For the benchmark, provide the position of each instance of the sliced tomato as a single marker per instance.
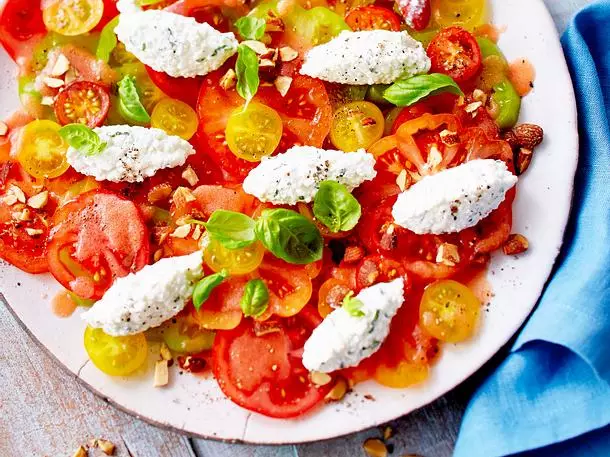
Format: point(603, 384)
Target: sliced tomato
point(23, 230)
point(456, 53)
point(209, 198)
point(305, 111)
point(21, 26)
point(264, 373)
point(417, 13)
point(409, 113)
point(94, 239)
point(83, 102)
point(373, 18)
point(183, 89)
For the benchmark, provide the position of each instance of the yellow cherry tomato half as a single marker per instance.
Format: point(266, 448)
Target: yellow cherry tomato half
point(175, 118)
point(72, 17)
point(407, 373)
point(236, 261)
point(449, 311)
point(42, 150)
point(115, 355)
point(183, 334)
point(356, 125)
point(254, 132)
point(464, 13)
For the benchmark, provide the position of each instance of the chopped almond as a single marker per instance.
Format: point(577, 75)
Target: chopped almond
point(159, 193)
point(9, 199)
point(39, 200)
point(266, 64)
point(183, 195)
point(17, 192)
point(516, 244)
point(161, 374)
point(282, 84)
point(181, 231)
point(448, 254)
point(192, 364)
point(53, 83)
point(449, 138)
point(107, 447)
point(196, 233)
point(80, 452)
point(47, 101)
point(338, 391)
point(434, 157)
point(401, 180)
point(479, 96)
point(229, 80)
point(190, 176)
point(374, 447)
point(257, 46)
point(320, 379)
point(274, 24)
point(287, 54)
point(62, 65)
point(3, 128)
point(471, 108)
point(158, 255)
point(25, 215)
point(165, 352)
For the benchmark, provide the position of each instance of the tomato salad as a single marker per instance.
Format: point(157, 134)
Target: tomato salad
point(293, 196)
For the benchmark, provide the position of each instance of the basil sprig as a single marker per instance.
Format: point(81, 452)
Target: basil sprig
point(130, 106)
point(336, 207)
point(406, 92)
point(82, 138)
point(255, 299)
point(107, 41)
point(231, 229)
point(289, 236)
point(246, 70)
point(251, 27)
point(352, 305)
point(205, 286)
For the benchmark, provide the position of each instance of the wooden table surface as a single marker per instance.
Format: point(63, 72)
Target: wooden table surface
point(45, 412)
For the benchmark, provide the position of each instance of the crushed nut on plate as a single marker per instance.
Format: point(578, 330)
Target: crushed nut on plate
point(320, 379)
point(182, 231)
point(183, 195)
point(338, 391)
point(164, 352)
point(287, 54)
point(257, 46)
point(62, 65)
point(161, 378)
point(53, 83)
point(472, 107)
point(282, 84)
point(39, 200)
point(190, 176)
point(516, 244)
point(374, 447)
point(447, 254)
point(80, 452)
point(228, 80)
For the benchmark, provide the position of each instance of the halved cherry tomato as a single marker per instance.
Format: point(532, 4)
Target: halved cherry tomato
point(222, 310)
point(416, 13)
point(96, 238)
point(175, 118)
point(41, 150)
point(464, 13)
point(331, 295)
point(373, 18)
point(72, 17)
point(182, 334)
point(82, 102)
point(356, 125)
point(183, 89)
point(115, 355)
point(289, 288)
point(263, 373)
point(456, 53)
point(377, 268)
point(21, 26)
point(239, 261)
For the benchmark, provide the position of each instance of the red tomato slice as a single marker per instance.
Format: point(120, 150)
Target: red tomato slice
point(456, 53)
point(305, 111)
point(96, 238)
point(289, 288)
point(409, 113)
point(21, 26)
point(417, 13)
point(83, 102)
point(263, 373)
point(184, 89)
point(373, 18)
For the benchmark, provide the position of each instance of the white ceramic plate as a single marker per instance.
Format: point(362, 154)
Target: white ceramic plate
point(196, 406)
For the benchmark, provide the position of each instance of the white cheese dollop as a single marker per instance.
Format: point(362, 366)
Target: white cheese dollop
point(295, 175)
point(131, 154)
point(454, 199)
point(343, 340)
point(171, 43)
point(367, 57)
point(147, 298)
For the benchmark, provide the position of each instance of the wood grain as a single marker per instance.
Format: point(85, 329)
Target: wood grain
point(46, 412)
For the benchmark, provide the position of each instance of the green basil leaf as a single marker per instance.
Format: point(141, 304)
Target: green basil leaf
point(353, 305)
point(82, 138)
point(204, 288)
point(336, 207)
point(233, 230)
point(130, 106)
point(289, 236)
point(107, 41)
point(246, 69)
point(406, 92)
point(255, 299)
point(251, 27)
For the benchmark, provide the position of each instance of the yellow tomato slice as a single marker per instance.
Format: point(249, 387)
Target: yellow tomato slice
point(236, 261)
point(72, 17)
point(254, 132)
point(116, 355)
point(405, 374)
point(41, 149)
point(464, 13)
point(449, 311)
point(356, 125)
point(175, 118)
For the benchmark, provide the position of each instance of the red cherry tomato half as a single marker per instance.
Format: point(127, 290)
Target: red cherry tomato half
point(373, 18)
point(409, 113)
point(20, 25)
point(456, 53)
point(417, 13)
point(82, 102)
point(264, 373)
point(96, 238)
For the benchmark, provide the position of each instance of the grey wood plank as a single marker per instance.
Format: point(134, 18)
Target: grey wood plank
point(205, 448)
point(45, 412)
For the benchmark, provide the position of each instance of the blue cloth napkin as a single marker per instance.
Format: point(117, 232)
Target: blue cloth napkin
point(555, 383)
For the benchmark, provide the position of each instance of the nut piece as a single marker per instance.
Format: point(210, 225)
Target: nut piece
point(47, 101)
point(448, 254)
point(80, 452)
point(191, 364)
point(471, 108)
point(107, 447)
point(190, 176)
point(229, 80)
point(39, 200)
point(479, 96)
point(320, 379)
point(274, 24)
point(161, 374)
point(53, 83)
point(374, 447)
point(523, 160)
point(164, 352)
point(257, 46)
point(183, 195)
point(526, 136)
point(516, 244)
point(158, 193)
point(17, 192)
point(287, 54)
point(182, 231)
point(449, 138)
point(353, 254)
point(338, 391)
point(196, 233)
point(401, 180)
point(62, 65)
point(282, 84)
point(3, 128)
point(33, 232)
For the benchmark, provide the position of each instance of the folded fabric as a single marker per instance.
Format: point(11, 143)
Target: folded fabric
point(555, 383)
